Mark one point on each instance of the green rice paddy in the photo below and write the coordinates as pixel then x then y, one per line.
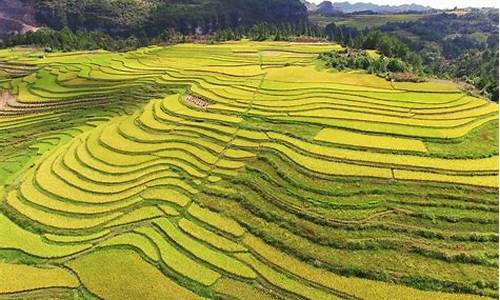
pixel 240 170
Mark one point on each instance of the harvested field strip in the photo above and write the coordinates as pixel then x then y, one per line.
pixel 267 99
pixel 402 129
pixel 167 195
pixel 486 164
pixel 136 278
pixel 54 220
pixel 75 238
pixel 215 220
pixel 215 258
pixel 283 282
pixel 488 181
pixel 345 137
pixel 29 193
pixel 209 237
pixel 18 278
pixel 32 243
pixel 431 123
pixel 135 240
pixel 353 101
pixel 180 263
pixel 240 290
pixel 329 167
pixel 138 215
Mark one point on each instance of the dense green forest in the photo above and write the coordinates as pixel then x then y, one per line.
pixel 151 17
pixel 386 44
pixel 455 45
pixel 68 40
pixel 448 45
pixel 381 65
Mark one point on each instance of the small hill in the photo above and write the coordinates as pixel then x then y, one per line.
pixel 326 8
pixel 309 5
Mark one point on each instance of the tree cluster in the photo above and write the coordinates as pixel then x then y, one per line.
pixel 361 59
pixel 454 33
pixel 449 45
pixel 67 40
pixel 385 44
pixel 461 46
pixel 479 68
pixel 266 31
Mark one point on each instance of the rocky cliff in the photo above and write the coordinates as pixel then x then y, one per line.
pixel 16 16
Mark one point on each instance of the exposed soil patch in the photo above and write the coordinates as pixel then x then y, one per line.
pixel 465 87
pixel 405 77
pixel 196 102
pixel 309 39
pixel 5 98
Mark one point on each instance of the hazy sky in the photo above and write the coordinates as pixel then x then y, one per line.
pixel 433 3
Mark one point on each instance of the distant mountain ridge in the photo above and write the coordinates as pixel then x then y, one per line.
pixel 309 5
pixel 328 7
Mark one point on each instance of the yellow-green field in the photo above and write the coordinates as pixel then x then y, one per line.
pixel 241 170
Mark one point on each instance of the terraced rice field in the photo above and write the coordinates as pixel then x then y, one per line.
pixel 240 171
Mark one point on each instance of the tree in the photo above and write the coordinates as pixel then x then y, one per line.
pixel 396 65
pixel 415 61
pixel 277 36
pixel 331 31
pixel 385 46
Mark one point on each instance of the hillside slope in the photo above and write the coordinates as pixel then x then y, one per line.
pixel 145 17
pixel 153 17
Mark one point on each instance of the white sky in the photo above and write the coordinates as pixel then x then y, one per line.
pixel 432 3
